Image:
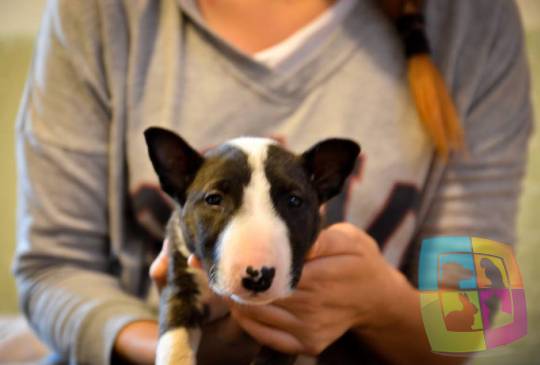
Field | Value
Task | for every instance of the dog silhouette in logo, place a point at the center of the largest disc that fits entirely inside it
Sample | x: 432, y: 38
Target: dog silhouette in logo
x: 492, y: 273
x: 461, y: 320
x: 452, y: 274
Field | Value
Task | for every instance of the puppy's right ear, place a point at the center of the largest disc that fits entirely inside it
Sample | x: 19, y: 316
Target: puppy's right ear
x: 175, y: 161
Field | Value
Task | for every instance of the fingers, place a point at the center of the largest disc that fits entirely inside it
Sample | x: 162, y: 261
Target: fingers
x: 158, y: 273
x: 269, y: 336
x: 158, y: 269
x: 328, y: 269
x: 342, y: 239
x: 194, y: 262
x: 217, y: 306
x: 270, y: 315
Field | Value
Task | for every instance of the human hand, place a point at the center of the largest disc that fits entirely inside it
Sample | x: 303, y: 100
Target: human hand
x: 221, y: 332
x: 158, y: 272
x: 158, y: 268
x: 345, y: 284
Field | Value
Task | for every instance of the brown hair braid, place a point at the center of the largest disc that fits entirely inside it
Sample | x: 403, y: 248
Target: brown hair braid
x: 435, y: 107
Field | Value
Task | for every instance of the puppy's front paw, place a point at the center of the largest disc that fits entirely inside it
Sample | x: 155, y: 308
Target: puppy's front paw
x: 178, y: 346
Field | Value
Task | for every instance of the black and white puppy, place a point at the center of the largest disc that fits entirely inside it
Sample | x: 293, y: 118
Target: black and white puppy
x: 249, y: 211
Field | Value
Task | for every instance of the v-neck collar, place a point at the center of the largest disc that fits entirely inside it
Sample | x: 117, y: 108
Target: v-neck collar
x: 317, y: 67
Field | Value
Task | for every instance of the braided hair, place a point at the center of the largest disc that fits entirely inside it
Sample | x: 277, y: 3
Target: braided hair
x: 434, y: 104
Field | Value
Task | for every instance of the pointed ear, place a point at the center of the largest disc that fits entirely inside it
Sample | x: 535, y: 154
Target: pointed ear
x: 328, y: 164
x: 175, y: 162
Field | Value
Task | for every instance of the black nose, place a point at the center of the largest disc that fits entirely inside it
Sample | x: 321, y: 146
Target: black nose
x: 258, y: 280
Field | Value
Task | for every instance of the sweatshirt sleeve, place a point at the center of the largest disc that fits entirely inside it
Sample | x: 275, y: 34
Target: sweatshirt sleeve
x: 478, y: 194
x: 62, y: 266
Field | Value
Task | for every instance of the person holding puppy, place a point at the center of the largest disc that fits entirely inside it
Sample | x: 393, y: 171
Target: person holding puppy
x: 435, y: 160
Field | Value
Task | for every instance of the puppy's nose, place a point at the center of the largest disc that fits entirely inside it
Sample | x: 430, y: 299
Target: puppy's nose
x: 258, y: 280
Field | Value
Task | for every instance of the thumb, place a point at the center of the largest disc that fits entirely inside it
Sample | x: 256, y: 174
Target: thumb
x: 158, y: 269
x: 194, y: 262
x: 340, y: 239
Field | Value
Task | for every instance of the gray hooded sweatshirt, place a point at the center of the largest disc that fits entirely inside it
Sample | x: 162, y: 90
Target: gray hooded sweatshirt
x: 91, y: 216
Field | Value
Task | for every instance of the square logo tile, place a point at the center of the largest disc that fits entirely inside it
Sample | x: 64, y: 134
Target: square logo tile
x: 472, y: 296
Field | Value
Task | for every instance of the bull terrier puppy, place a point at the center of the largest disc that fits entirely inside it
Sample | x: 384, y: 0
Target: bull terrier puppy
x: 249, y: 211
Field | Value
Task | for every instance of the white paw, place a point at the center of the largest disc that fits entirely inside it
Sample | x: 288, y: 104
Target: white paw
x: 178, y: 347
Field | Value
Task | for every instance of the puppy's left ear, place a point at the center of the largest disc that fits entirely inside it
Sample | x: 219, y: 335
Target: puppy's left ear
x: 328, y: 164
x: 174, y: 160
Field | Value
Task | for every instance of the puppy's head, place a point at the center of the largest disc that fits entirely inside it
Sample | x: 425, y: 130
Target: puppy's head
x: 250, y: 208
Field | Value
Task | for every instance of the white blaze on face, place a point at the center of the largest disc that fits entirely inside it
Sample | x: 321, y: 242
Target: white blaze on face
x: 256, y: 236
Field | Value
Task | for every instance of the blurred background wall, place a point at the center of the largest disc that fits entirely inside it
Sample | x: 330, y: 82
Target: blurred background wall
x: 19, y: 22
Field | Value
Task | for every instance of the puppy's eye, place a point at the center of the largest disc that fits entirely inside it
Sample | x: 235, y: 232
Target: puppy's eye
x: 294, y: 201
x: 213, y: 199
